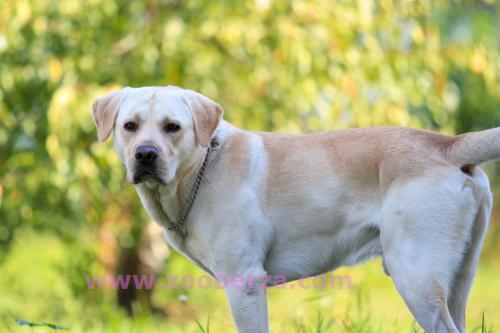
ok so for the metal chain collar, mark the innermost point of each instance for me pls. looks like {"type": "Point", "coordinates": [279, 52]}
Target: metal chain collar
{"type": "Point", "coordinates": [214, 145]}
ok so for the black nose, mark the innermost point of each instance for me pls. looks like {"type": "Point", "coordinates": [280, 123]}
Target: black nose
{"type": "Point", "coordinates": [146, 155]}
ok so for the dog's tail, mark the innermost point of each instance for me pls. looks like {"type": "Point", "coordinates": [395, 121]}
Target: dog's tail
{"type": "Point", "coordinates": [474, 148]}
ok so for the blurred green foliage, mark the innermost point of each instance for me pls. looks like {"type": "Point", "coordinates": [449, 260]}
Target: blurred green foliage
{"type": "Point", "coordinates": [298, 66]}
{"type": "Point", "coordinates": [274, 65]}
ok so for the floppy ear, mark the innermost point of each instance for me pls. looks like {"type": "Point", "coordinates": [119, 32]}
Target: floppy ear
{"type": "Point", "coordinates": [105, 110]}
{"type": "Point", "coordinates": [206, 114]}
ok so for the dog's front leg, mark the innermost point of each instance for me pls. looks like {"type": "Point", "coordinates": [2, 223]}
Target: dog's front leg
{"type": "Point", "coordinates": [247, 298]}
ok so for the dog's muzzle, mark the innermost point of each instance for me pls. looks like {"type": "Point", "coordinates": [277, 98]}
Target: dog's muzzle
{"type": "Point", "coordinates": [146, 165]}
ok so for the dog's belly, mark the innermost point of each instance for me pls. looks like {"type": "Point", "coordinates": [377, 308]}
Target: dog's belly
{"type": "Point", "coordinates": [320, 245]}
{"type": "Point", "coordinates": [322, 254]}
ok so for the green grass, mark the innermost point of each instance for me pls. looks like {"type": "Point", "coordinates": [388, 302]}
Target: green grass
{"type": "Point", "coordinates": [37, 285]}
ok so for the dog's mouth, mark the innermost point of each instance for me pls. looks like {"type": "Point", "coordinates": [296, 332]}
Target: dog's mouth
{"type": "Point", "coordinates": [147, 175]}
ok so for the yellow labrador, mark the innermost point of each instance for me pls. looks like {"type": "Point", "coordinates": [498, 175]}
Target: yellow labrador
{"type": "Point", "coordinates": [260, 204]}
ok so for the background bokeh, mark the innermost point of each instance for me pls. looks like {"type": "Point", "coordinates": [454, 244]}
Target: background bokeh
{"type": "Point", "coordinates": [299, 66]}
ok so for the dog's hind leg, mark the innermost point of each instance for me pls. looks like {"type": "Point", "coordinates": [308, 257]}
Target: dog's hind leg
{"type": "Point", "coordinates": [462, 282]}
{"type": "Point", "coordinates": [424, 229]}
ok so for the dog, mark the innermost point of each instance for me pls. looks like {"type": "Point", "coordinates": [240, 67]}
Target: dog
{"type": "Point", "coordinates": [255, 204]}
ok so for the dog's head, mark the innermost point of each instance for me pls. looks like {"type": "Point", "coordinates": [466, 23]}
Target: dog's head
{"type": "Point", "coordinates": [156, 130]}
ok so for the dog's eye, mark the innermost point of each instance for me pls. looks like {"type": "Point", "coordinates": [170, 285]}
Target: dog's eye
{"type": "Point", "coordinates": [131, 126]}
{"type": "Point", "coordinates": [169, 128]}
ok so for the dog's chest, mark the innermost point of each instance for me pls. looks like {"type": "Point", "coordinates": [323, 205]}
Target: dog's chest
{"type": "Point", "coordinates": [163, 207]}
